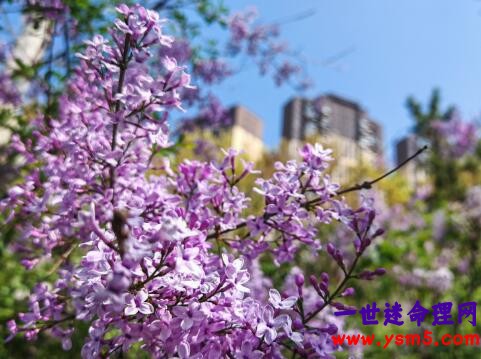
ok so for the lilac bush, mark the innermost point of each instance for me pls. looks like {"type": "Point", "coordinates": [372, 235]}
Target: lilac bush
{"type": "Point", "coordinates": [160, 256]}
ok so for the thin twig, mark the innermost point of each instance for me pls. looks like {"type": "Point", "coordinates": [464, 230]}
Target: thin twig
{"type": "Point", "coordinates": [369, 184]}
{"type": "Point", "coordinates": [295, 17]}
{"type": "Point", "coordinates": [62, 259]}
{"type": "Point", "coordinates": [339, 288]}
{"type": "Point", "coordinates": [123, 69]}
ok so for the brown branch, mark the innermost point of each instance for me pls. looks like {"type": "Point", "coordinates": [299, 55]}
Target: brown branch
{"type": "Point", "coordinates": [120, 85]}
{"type": "Point", "coordinates": [120, 229]}
{"type": "Point", "coordinates": [63, 258]}
{"type": "Point", "coordinates": [119, 219]}
{"type": "Point", "coordinates": [369, 184]}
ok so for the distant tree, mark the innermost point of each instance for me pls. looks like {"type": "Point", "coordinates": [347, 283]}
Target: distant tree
{"type": "Point", "coordinates": [442, 170]}
{"type": "Point", "coordinates": [425, 118]}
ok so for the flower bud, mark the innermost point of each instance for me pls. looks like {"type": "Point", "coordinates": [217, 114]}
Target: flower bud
{"type": "Point", "coordinates": [339, 305]}
{"type": "Point", "coordinates": [299, 279]}
{"type": "Point", "coordinates": [319, 304]}
{"type": "Point", "coordinates": [357, 245]}
{"type": "Point", "coordinates": [348, 292]}
{"type": "Point", "coordinates": [297, 324]}
{"type": "Point", "coordinates": [314, 282]}
{"type": "Point", "coordinates": [331, 329]}
{"type": "Point", "coordinates": [325, 277]}
{"type": "Point", "coordinates": [367, 275]}
{"type": "Point", "coordinates": [331, 249]}
{"type": "Point", "coordinates": [380, 271]}
{"type": "Point", "coordinates": [371, 216]}
{"type": "Point", "coordinates": [378, 233]}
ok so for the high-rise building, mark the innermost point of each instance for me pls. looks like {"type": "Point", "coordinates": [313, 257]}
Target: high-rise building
{"type": "Point", "coordinates": [336, 122]}
{"type": "Point", "coordinates": [405, 147]}
{"type": "Point", "coordinates": [412, 171]}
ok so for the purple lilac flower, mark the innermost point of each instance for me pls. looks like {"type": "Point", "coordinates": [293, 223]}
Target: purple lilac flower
{"type": "Point", "coordinates": [277, 302]}
{"type": "Point", "coordinates": [268, 325]}
{"type": "Point", "coordinates": [138, 304]}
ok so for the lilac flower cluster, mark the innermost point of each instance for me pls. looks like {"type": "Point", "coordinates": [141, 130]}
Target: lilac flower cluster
{"type": "Point", "coordinates": [460, 137]}
{"type": "Point", "coordinates": [212, 70]}
{"type": "Point", "coordinates": [211, 112]}
{"type": "Point", "coordinates": [261, 42]}
{"type": "Point", "coordinates": [245, 33]}
{"type": "Point", "coordinates": [166, 257]}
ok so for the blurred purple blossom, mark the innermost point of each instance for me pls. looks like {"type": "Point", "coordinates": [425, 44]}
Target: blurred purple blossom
{"type": "Point", "coordinates": [458, 137]}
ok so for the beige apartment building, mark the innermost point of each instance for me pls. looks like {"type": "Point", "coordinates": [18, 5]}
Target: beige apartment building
{"type": "Point", "coordinates": [245, 133]}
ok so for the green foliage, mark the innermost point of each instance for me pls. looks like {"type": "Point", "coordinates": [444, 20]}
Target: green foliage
{"type": "Point", "coordinates": [423, 119]}
{"type": "Point", "coordinates": [444, 172]}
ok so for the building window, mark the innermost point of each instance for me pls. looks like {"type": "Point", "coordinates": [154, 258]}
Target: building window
{"type": "Point", "coordinates": [309, 111]}
{"type": "Point", "coordinates": [311, 128]}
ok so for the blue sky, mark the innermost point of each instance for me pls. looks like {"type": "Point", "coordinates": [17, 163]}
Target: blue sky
{"type": "Point", "coordinates": [400, 48]}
